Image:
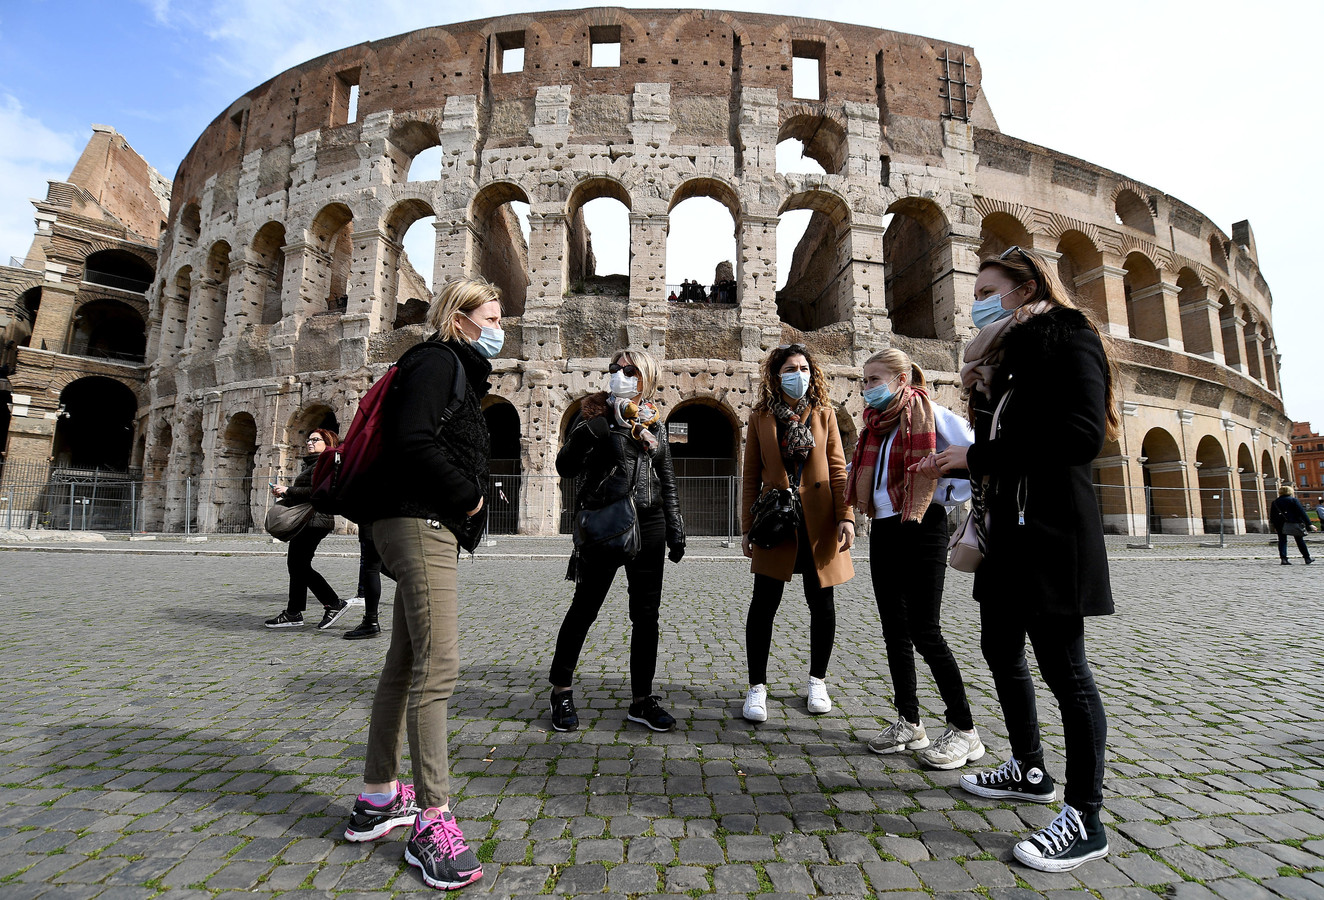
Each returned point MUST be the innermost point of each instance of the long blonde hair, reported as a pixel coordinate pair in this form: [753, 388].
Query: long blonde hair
[459, 296]
[1022, 266]
[894, 360]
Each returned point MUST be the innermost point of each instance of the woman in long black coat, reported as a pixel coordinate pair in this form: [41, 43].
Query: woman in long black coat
[1288, 516]
[1045, 567]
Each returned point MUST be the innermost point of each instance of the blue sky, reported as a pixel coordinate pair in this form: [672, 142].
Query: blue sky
[1213, 103]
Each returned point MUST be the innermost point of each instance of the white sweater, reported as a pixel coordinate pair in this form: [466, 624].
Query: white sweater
[953, 431]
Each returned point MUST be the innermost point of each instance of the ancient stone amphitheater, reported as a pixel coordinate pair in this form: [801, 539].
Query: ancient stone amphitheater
[282, 289]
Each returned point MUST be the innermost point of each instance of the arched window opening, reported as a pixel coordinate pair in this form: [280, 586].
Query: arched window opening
[1133, 211]
[232, 490]
[1079, 266]
[94, 429]
[333, 238]
[1145, 318]
[209, 321]
[1217, 255]
[704, 438]
[816, 286]
[426, 166]
[1227, 323]
[1250, 492]
[25, 317]
[1215, 486]
[268, 275]
[1193, 303]
[811, 143]
[912, 249]
[1253, 356]
[999, 231]
[1269, 479]
[1164, 483]
[598, 239]
[118, 269]
[701, 244]
[190, 224]
[108, 329]
[414, 149]
[501, 223]
[504, 485]
[410, 261]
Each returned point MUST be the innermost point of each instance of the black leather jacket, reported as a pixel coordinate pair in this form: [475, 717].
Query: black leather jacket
[603, 457]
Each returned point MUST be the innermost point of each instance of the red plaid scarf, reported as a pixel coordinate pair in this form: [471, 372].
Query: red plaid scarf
[912, 413]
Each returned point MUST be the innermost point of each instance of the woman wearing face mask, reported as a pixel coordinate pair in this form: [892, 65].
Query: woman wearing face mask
[615, 448]
[431, 479]
[908, 550]
[792, 436]
[1044, 568]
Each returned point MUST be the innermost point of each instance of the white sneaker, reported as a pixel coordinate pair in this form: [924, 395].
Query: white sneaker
[817, 695]
[900, 735]
[355, 601]
[756, 703]
[953, 749]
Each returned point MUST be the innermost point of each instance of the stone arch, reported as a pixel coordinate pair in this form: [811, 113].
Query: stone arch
[406, 141]
[1251, 499]
[208, 300]
[1269, 479]
[818, 290]
[502, 253]
[1197, 332]
[1218, 251]
[119, 268]
[1079, 265]
[405, 291]
[267, 274]
[94, 427]
[671, 34]
[506, 464]
[631, 29]
[331, 235]
[1165, 481]
[1000, 230]
[108, 328]
[1214, 477]
[1133, 210]
[706, 202]
[232, 490]
[821, 132]
[581, 263]
[1145, 319]
[704, 436]
[912, 249]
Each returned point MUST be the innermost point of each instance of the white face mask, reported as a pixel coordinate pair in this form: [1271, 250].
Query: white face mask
[621, 385]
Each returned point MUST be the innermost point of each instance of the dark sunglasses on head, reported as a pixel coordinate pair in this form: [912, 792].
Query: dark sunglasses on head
[1015, 248]
[630, 371]
[801, 348]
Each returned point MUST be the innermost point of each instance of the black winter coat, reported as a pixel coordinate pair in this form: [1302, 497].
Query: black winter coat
[605, 456]
[1284, 509]
[431, 468]
[1050, 431]
[301, 491]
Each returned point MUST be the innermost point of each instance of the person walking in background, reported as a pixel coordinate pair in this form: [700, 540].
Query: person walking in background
[1288, 517]
[370, 586]
[431, 477]
[303, 546]
[616, 449]
[1039, 368]
[908, 550]
[792, 437]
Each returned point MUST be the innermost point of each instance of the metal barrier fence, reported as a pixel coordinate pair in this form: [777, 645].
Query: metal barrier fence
[54, 497]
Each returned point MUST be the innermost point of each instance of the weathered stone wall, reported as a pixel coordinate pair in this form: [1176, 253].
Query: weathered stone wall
[918, 185]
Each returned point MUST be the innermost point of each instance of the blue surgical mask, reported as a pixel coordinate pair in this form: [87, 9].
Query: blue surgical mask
[795, 384]
[989, 310]
[879, 396]
[489, 340]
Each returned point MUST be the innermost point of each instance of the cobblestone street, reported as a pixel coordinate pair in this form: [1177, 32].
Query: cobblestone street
[161, 742]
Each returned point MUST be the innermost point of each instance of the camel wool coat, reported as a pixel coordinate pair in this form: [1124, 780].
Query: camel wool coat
[822, 494]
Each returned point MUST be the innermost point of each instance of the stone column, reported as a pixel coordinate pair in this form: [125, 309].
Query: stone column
[201, 292]
[954, 294]
[243, 305]
[547, 286]
[1234, 338]
[373, 276]
[756, 285]
[51, 329]
[1156, 313]
[1104, 290]
[867, 309]
[760, 121]
[1254, 355]
[647, 321]
[1199, 325]
[208, 492]
[456, 248]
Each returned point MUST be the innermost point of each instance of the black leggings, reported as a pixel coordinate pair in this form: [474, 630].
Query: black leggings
[643, 574]
[908, 564]
[763, 610]
[303, 576]
[1059, 648]
[370, 574]
[1300, 545]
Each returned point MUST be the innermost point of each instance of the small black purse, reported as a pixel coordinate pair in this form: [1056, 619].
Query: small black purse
[607, 534]
[777, 514]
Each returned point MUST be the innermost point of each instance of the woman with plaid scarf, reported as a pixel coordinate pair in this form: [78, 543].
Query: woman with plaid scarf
[908, 550]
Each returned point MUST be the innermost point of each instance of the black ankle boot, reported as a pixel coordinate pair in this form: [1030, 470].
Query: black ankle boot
[368, 629]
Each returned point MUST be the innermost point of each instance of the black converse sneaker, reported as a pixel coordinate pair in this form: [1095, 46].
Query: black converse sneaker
[1066, 843]
[1009, 782]
[370, 821]
[564, 717]
[649, 712]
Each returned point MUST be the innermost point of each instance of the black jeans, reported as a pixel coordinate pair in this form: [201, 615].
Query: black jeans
[763, 610]
[303, 576]
[643, 574]
[1300, 545]
[370, 574]
[908, 565]
[1059, 647]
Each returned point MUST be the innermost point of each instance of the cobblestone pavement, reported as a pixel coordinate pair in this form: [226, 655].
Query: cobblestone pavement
[160, 742]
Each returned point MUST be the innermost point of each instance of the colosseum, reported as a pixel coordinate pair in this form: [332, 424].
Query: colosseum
[281, 287]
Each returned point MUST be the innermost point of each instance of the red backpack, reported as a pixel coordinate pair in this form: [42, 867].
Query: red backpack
[342, 477]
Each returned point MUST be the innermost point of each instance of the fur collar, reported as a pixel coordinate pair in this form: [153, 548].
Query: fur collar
[594, 406]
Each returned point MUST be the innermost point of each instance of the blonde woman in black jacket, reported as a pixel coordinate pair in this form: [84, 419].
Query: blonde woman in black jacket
[1045, 568]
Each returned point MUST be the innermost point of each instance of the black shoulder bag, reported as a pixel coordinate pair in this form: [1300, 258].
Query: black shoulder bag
[607, 535]
[777, 514]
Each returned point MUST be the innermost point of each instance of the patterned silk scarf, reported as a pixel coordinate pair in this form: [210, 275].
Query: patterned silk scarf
[799, 438]
[917, 437]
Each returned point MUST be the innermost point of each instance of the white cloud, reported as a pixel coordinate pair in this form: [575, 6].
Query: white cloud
[30, 155]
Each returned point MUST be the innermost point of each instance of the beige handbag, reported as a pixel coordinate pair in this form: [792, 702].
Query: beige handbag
[965, 551]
